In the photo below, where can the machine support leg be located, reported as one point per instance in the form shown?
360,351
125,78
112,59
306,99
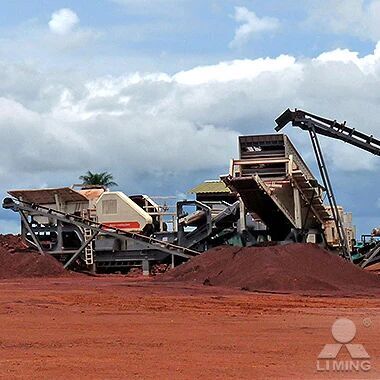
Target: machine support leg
172,261
32,234
59,234
243,223
79,251
330,194
145,267
297,208
308,209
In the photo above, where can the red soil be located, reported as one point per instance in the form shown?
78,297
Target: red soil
118,328
300,268
17,260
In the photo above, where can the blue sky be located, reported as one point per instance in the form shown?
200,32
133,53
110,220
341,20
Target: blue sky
171,34
157,91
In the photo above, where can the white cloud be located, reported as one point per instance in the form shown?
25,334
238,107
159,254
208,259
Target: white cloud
156,127
244,69
367,64
251,25
63,21
359,18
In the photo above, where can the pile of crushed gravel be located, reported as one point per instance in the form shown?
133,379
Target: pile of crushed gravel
293,268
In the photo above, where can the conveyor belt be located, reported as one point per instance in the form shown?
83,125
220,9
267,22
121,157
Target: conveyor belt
166,247
329,128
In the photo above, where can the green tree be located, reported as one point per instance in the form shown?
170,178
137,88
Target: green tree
102,179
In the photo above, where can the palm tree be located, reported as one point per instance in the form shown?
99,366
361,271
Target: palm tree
101,179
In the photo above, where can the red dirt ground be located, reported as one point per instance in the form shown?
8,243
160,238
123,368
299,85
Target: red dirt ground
114,327
59,326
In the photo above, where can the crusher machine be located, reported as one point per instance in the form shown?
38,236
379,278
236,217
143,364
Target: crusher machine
106,230
272,196
275,184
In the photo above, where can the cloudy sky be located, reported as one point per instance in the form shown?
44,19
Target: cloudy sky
157,91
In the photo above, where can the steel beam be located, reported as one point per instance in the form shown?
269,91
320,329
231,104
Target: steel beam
329,191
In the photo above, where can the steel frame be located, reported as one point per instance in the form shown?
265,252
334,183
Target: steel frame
331,128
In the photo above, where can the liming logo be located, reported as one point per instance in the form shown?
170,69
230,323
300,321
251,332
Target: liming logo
343,331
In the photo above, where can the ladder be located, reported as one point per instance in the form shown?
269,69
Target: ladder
89,214
89,249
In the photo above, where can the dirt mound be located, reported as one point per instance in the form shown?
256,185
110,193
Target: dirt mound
17,260
296,268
